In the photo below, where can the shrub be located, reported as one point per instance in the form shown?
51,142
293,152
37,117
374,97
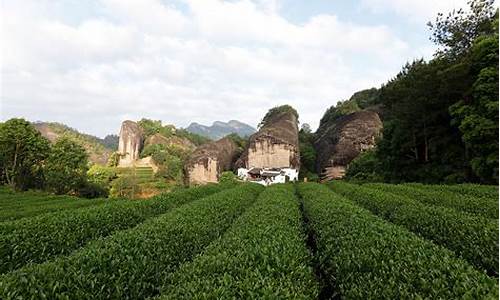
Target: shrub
472,237
132,263
228,178
30,204
125,186
93,190
263,255
40,238
101,175
364,257
364,168
435,195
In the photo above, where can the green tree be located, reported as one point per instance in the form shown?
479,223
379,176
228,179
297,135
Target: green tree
66,166
150,127
364,168
277,111
477,115
307,152
101,175
126,186
22,152
457,31
113,159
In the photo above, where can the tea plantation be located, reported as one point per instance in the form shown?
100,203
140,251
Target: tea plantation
293,241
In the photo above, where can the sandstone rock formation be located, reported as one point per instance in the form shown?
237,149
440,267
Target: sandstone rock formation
343,140
130,143
275,145
208,161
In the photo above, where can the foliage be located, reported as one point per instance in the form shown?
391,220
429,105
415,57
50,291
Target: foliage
472,237
43,237
33,203
238,140
193,137
143,256
111,141
364,168
151,127
101,175
441,116
478,119
488,192
358,101
365,98
66,166
93,190
113,159
22,153
277,111
233,267
439,196
174,168
125,186
228,178
307,153
92,143
170,160
370,258
457,31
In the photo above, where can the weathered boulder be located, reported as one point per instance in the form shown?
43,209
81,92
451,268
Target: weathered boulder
173,140
130,143
343,140
209,160
275,145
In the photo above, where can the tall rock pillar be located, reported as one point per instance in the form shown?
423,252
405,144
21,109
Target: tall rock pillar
130,143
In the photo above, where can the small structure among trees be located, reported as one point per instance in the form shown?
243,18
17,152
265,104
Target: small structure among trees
274,149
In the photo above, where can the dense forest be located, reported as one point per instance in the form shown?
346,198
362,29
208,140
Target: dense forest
440,116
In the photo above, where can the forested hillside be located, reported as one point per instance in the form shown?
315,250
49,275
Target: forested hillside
440,116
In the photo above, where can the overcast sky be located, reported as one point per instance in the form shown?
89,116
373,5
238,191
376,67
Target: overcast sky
93,64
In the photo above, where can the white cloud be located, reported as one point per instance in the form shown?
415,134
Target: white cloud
213,60
417,10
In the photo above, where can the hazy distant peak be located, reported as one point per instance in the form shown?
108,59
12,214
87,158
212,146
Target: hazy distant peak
219,129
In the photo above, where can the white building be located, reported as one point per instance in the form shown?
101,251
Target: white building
268,176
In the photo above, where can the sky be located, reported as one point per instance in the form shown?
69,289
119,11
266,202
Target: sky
93,64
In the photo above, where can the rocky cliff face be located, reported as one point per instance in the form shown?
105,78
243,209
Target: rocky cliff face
130,143
275,145
343,140
208,161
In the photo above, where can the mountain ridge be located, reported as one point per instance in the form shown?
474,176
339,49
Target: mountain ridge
220,129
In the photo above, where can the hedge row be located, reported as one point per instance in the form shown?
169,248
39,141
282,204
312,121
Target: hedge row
132,264
262,256
21,199
436,195
25,207
367,258
472,237
489,192
40,238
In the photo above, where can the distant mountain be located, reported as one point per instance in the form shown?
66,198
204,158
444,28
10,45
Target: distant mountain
98,149
221,129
